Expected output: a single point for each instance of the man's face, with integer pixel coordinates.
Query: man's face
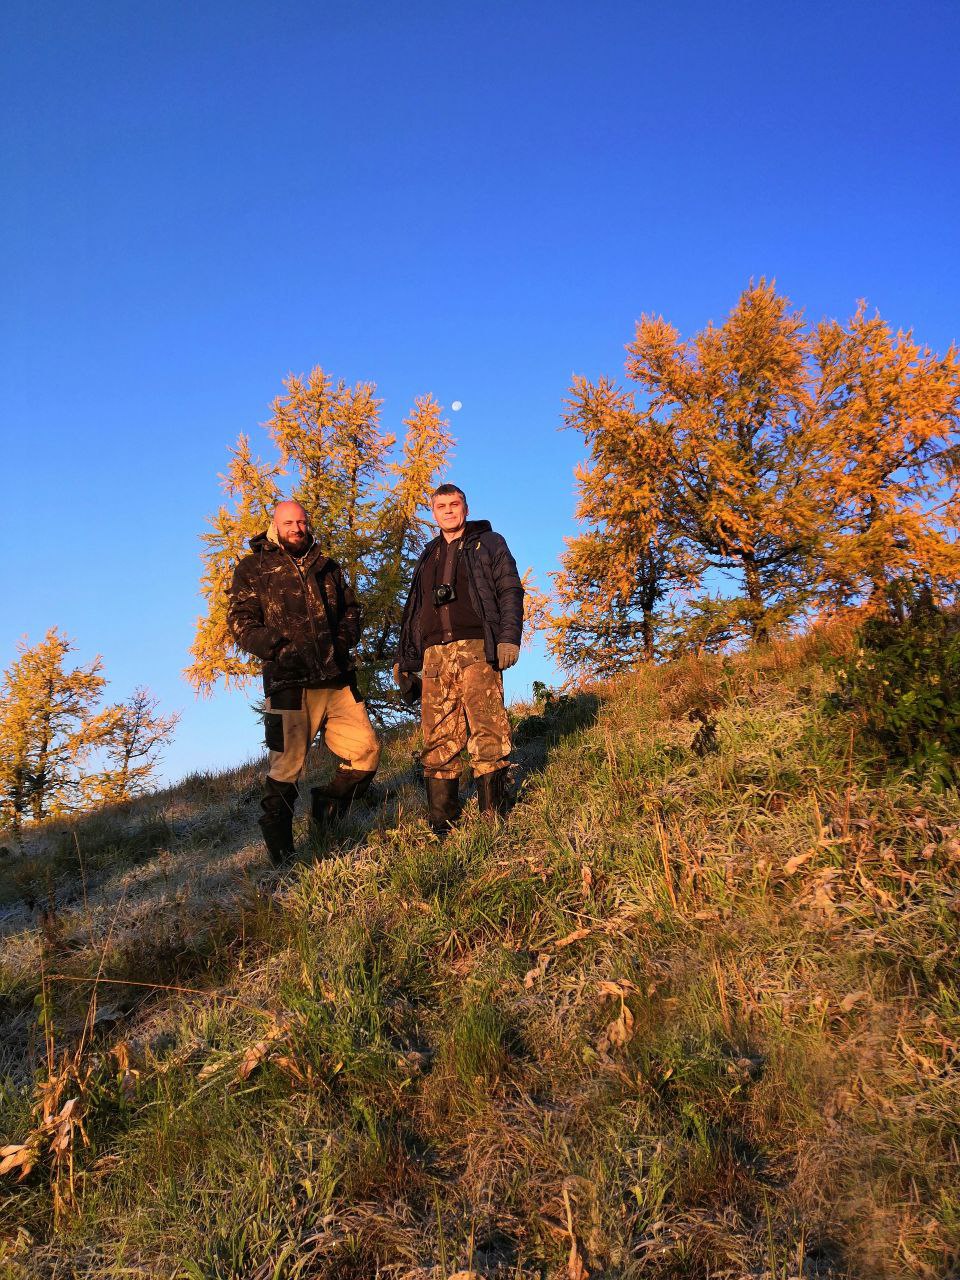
(450, 512)
(291, 522)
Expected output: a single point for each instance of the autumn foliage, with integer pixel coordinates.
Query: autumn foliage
(753, 475)
(365, 502)
(60, 749)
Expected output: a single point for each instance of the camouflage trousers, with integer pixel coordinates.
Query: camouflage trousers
(462, 706)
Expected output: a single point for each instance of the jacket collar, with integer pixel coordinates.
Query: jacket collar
(470, 529)
(269, 542)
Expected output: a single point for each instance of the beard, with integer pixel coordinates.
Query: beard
(296, 546)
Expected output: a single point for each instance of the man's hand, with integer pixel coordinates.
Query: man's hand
(291, 661)
(507, 654)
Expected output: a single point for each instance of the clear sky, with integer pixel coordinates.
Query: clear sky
(476, 198)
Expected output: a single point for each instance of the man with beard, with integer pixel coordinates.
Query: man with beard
(291, 607)
(461, 627)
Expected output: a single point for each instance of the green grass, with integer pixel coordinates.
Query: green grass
(703, 1008)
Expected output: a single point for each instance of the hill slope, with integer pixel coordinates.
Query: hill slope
(692, 1012)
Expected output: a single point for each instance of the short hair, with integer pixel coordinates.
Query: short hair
(442, 490)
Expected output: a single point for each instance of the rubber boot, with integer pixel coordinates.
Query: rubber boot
(330, 802)
(278, 803)
(492, 795)
(443, 803)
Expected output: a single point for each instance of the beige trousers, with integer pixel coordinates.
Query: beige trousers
(347, 731)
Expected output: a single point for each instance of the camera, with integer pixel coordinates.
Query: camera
(445, 593)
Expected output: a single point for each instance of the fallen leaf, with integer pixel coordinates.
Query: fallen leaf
(621, 989)
(576, 1267)
(796, 862)
(252, 1059)
(851, 998)
(617, 1033)
(530, 977)
(576, 936)
(292, 1068)
(16, 1156)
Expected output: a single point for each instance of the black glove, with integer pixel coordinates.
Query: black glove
(411, 687)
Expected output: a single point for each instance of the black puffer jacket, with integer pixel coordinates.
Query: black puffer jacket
(496, 594)
(302, 619)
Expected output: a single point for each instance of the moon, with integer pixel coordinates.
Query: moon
(456, 406)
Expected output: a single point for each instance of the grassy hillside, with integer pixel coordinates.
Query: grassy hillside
(693, 1012)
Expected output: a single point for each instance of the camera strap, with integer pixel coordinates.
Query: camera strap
(448, 574)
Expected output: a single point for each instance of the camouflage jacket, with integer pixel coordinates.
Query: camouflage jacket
(496, 594)
(306, 608)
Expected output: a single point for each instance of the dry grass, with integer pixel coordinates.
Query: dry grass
(692, 1012)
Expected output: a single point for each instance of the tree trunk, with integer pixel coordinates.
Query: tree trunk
(758, 625)
(646, 630)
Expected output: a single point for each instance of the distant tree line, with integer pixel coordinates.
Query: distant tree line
(61, 748)
(763, 471)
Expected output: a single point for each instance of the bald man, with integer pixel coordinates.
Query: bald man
(291, 607)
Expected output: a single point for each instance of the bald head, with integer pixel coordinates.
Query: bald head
(292, 527)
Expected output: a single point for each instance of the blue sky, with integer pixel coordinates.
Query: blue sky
(474, 199)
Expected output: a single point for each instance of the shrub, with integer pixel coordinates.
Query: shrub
(902, 683)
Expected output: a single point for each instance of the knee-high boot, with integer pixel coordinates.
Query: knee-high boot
(492, 795)
(443, 803)
(331, 801)
(278, 803)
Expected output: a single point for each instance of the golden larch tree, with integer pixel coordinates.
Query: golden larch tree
(254, 489)
(365, 506)
(743, 491)
(616, 574)
(132, 735)
(48, 727)
(889, 412)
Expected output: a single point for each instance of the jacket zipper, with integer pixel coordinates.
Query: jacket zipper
(306, 601)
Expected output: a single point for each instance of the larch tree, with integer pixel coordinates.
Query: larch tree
(743, 494)
(364, 505)
(889, 413)
(48, 727)
(618, 571)
(132, 735)
(403, 531)
(254, 489)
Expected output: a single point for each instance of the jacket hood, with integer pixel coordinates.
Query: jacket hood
(270, 537)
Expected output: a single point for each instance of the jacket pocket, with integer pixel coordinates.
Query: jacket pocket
(273, 731)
